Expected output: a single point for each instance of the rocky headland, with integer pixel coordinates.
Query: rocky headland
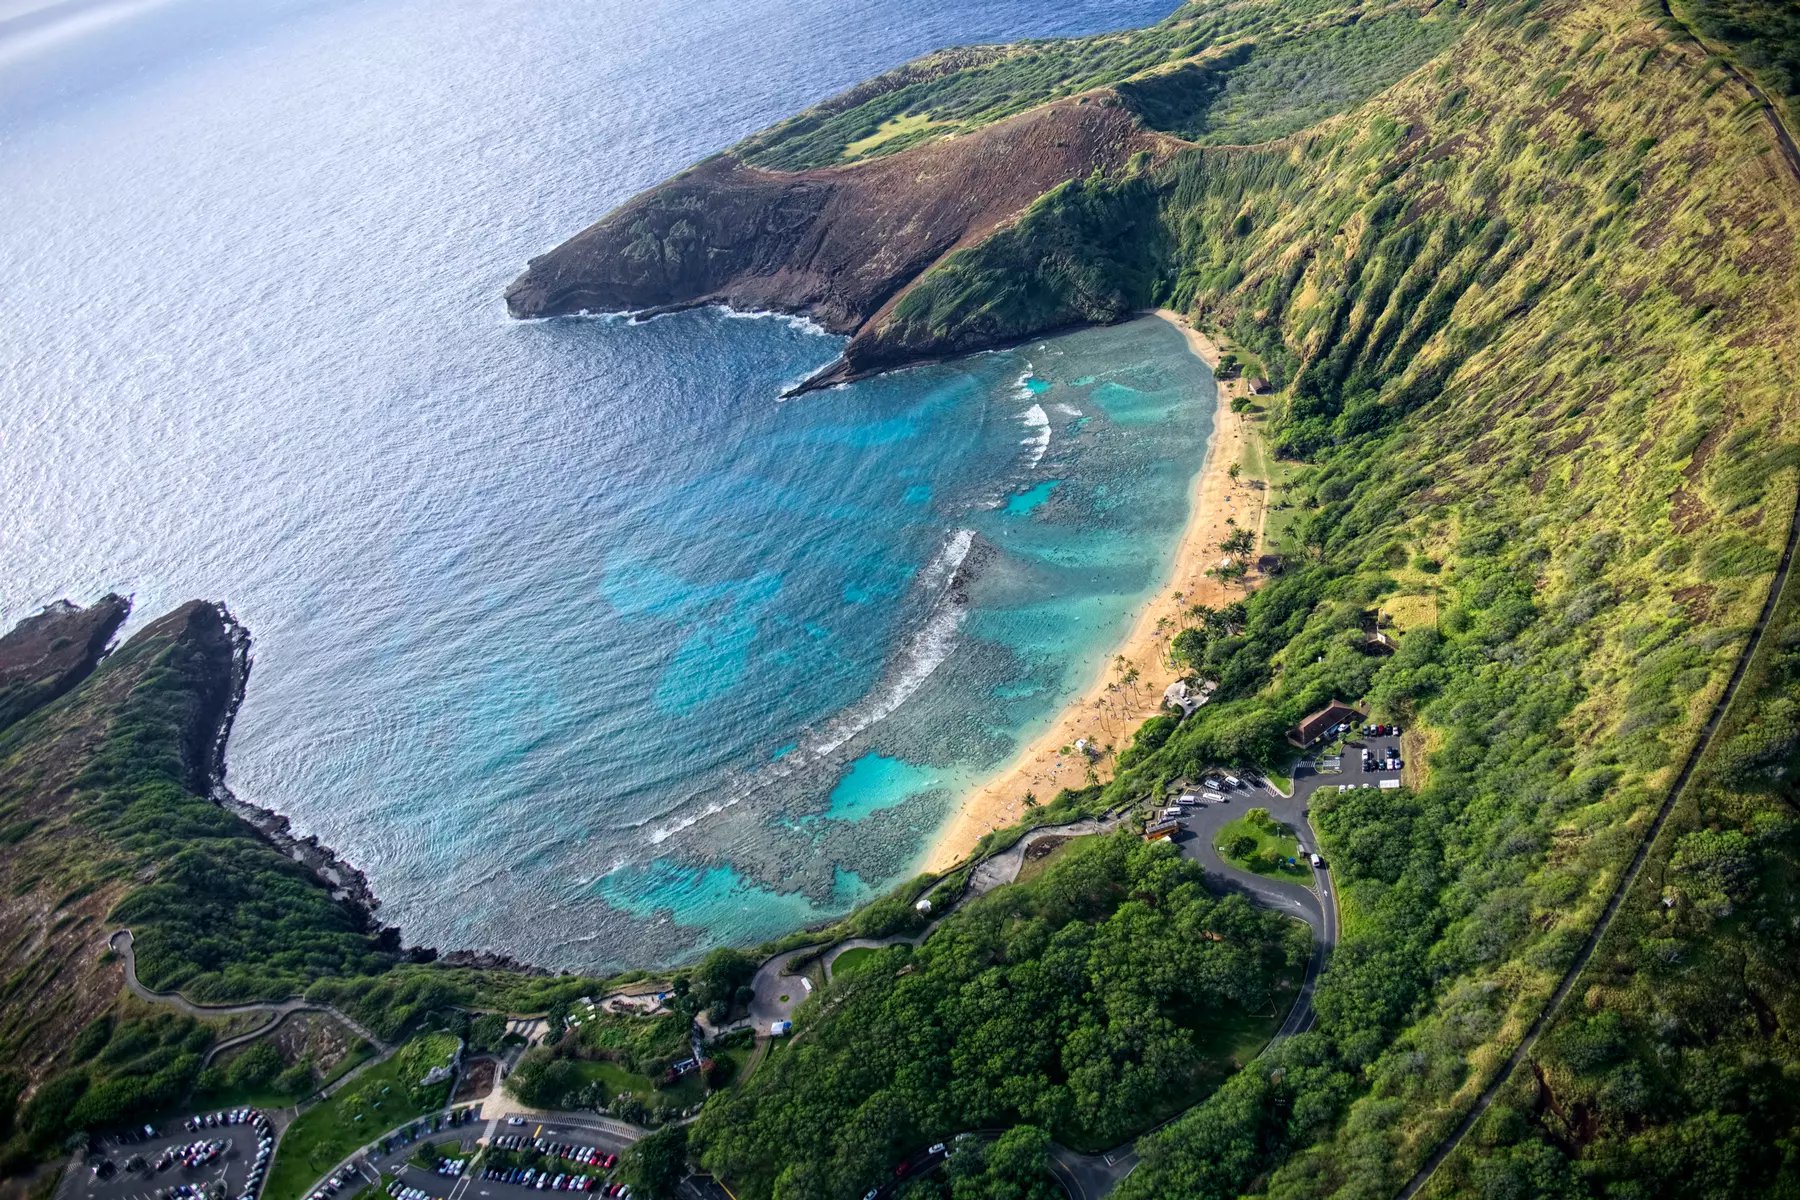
(840, 245)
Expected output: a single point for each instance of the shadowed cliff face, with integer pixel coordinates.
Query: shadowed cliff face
(50, 652)
(834, 244)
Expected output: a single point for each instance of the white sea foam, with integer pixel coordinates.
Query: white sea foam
(1038, 422)
(1068, 410)
(658, 836)
(924, 653)
(921, 655)
(641, 316)
(803, 324)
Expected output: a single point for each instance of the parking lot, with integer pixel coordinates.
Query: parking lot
(361, 1180)
(572, 1138)
(169, 1162)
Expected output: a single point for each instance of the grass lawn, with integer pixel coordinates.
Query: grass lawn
(853, 960)
(325, 1134)
(1272, 842)
(691, 1089)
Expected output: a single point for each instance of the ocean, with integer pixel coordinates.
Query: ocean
(575, 638)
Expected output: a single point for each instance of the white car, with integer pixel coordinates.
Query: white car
(1317, 861)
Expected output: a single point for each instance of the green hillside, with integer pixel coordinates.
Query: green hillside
(107, 822)
(1530, 315)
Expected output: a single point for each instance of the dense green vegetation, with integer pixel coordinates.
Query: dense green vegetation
(258, 1075)
(1014, 1166)
(1080, 1000)
(1312, 58)
(654, 1165)
(119, 1069)
(560, 1075)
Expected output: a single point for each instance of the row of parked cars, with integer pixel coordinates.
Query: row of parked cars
(580, 1155)
(541, 1181)
(190, 1156)
(265, 1146)
(231, 1116)
(1389, 760)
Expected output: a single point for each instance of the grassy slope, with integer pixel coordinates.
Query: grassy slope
(1274, 64)
(1533, 314)
(1671, 1071)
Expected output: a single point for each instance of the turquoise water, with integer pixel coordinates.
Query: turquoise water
(1023, 502)
(575, 638)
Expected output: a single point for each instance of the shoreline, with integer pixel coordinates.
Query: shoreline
(1107, 712)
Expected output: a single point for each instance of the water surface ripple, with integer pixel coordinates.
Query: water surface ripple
(574, 638)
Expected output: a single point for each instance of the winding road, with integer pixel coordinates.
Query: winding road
(277, 1011)
(1090, 1176)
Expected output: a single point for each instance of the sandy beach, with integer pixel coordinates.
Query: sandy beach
(1109, 711)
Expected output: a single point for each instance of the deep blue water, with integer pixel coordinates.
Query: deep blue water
(577, 640)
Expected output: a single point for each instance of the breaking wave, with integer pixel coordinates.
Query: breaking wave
(1038, 422)
(923, 653)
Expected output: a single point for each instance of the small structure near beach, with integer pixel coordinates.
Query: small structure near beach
(1187, 697)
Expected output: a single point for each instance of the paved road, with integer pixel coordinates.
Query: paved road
(1090, 1176)
(277, 1011)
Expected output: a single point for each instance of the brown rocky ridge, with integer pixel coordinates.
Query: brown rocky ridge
(839, 244)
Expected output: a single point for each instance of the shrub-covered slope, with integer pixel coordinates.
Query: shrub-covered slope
(108, 820)
(1532, 314)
